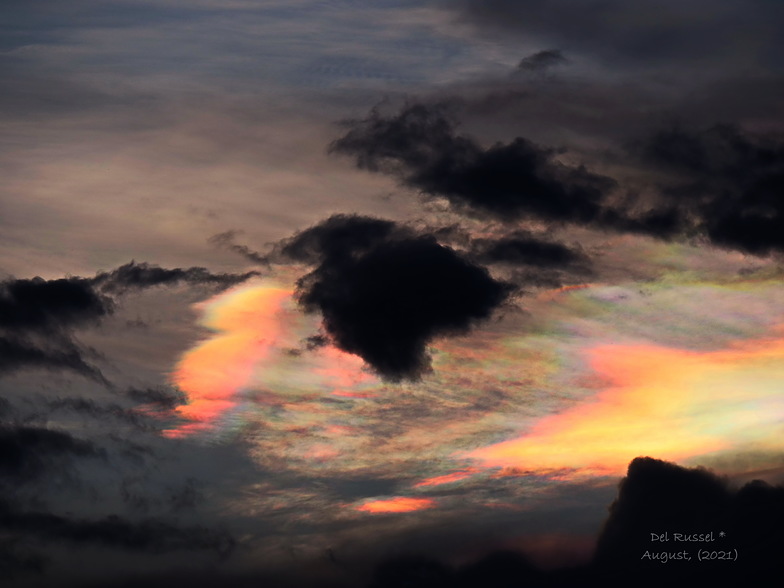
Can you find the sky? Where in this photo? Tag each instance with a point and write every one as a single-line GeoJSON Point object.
{"type": "Point", "coordinates": [392, 293]}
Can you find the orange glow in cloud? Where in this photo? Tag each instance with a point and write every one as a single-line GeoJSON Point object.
{"type": "Point", "coordinates": [247, 323]}
{"type": "Point", "coordinates": [399, 504]}
{"type": "Point", "coordinates": [447, 478]}
{"type": "Point", "coordinates": [666, 403]}
{"type": "Point", "coordinates": [343, 370]}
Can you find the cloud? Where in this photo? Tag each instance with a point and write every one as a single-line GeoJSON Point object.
{"type": "Point", "coordinates": [721, 183]}
{"type": "Point", "coordinates": [226, 241]}
{"type": "Point", "coordinates": [414, 571]}
{"type": "Point", "coordinates": [134, 275]}
{"type": "Point", "coordinates": [523, 248]}
{"type": "Point", "coordinates": [385, 292]}
{"type": "Point", "coordinates": [164, 398]}
{"type": "Point", "coordinates": [397, 504]}
{"type": "Point", "coordinates": [38, 317]}
{"type": "Point", "coordinates": [501, 568]}
{"type": "Point", "coordinates": [658, 497]}
{"type": "Point", "coordinates": [55, 353]}
{"type": "Point", "coordinates": [26, 452]}
{"type": "Point", "coordinates": [101, 411]}
{"type": "Point", "coordinates": [729, 181]}
{"type": "Point", "coordinates": [647, 33]}
{"type": "Point", "coordinates": [505, 182]}
{"type": "Point", "coordinates": [152, 535]}
{"type": "Point", "coordinates": [541, 61]}
{"type": "Point", "coordinates": [700, 398]}
{"type": "Point", "coordinates": [50, 305]}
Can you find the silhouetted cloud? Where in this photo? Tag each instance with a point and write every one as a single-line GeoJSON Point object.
{"type": "Point", "coordinates": [134, 275]}
{"type": "Point", "coordinates": [385, 292]}
{"type": "Point", "coordinates": [340, 236]}
{"type": "Point", "coordinates": [506, 182]}
{"type": "Point", "coordinates": [50, 305]}
{"type": "Point", "coordinates": [722, 183]}
{"type": "Point", "coordinates": [658, 497]}
{"type": "Point", "coordinates": [728, 183]}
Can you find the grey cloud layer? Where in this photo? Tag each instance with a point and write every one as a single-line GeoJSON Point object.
{"type": "Point", "coordinates": [716, 37]}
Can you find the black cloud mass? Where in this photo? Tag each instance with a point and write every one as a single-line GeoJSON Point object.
{"type": "Point", "coordinates": [385, 292]}
{"type": "Point", "coordinates": [729, 183]}
{"type": "Point", "coordinates": [42, 305]}
{"type": "Point", "coordinates": [504, 181]}
{"type": "Point", "coordinates": [721, 184]}
{"type": "Point", "coordinates": [38, 317]}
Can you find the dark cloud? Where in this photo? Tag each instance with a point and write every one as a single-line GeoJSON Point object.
{"type": "Point", "coordinates": [38, 317]}
{"type": "Point", "coordinates": [521, 247]}
{"type": "Point", "coordinates": [340, 236]}
{"type": "Point", "coordinates": [506, 182]}
{"type": "Point", "coordinates": [721, 184]}
{"type": "Point", "coordinates": [226, 241]}
{"type": "Point", "coordinates": [97, 410]}
{"type": "Point", "coordinates": [643, 33]}
{"type": "Point", "coordinates": [135, 276]}
{"type": "Point", "coordinates": [152, 535]}
{"type": "Point", "coordinates": [413, 571]}
{"type": "Point", "coordinates": [54, 353]}
{"type": "Point", "coordinates": [658, 497]}
{"type": "Point", "coordinates": [15, 560]}
{"type": "Point", "coordinates": [27, 452]}
{"type": "Point", "coordinates": [541, 61]}
{"type": "Point", "coordinates": [164, 398]}
{"type": "Point", "coordinates": [385, 292]}
{"type": "Point", "coordinates": [50, 305]}
{"type": "Point", "coordinates": [655, 497]}
{"type": "Point", "coordinates": [725, 181]}
{"type": "Point", "coordinates": [502, 568]}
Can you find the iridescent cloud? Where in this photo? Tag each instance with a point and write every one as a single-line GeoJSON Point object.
{"type": "Point", "coordinates": [247, 325]}
{"type": "Point", "coordinates": [670, 403]}
{"type": "Point", "coordinates": [254, 352]}
{"type": "Point", "coordinates": [398, 504]}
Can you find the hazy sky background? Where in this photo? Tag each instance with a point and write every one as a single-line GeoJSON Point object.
{"type": "Point", "coordinates": [534, 240]}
